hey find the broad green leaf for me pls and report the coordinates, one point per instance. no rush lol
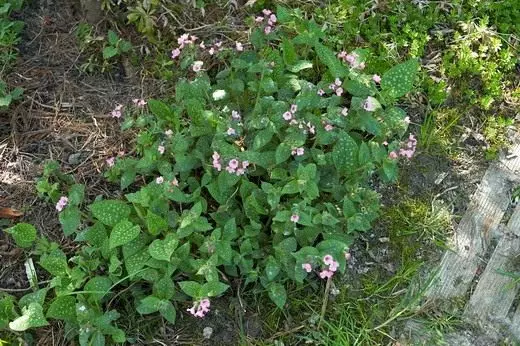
(34, 297)
(345, 154)
(155, 223)
(283, 152)
(32, 317)
(24, 234)
(163, 249)
(96, 234)
(299, 66)
(123, 232)
(110, 212)
(327, 57)
(98, 287)
(164, 112)
(136, 261)
(213, 289)
(398, 81)
(277, 294)
(148, 305)
(70, 219)
(272, 268)
(167, 310)
(112, 37)
(109, 52)
(55, 263)
(262, 138)
(164, 288)
(76, 194)
(289, 53)
(7, 310)
(63, 308)
(191, 288)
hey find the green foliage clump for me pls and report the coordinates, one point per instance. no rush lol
(261, 172)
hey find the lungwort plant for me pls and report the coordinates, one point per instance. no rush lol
(261, 172)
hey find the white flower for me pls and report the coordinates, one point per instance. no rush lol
(219, 94)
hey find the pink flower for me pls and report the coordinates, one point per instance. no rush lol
(239, 47)
(326, 274)
(259, 19)
(245, 164)
(348, 256)
(287, 116)
(311, 128)
(174, 182)
(329, 127)
(339, 91)
(385, 143)
(116, 113)
(184, 38)
(272, 20)
(407, 120)
(62, 203)
(211, 51)
(294, 108)
(231, 131)
(161, 149)
(175, 53)
(370, 104)
(328, 259)
(233, 163)
(202, 45)
(197, 66)
(111, 161)
(235, 115)
(139, 102)
(338, 82)
(332, 86)
(376, 78)
(333, 266)
(217, 165)
(168, 133)
(351, 58)
(240, 171)
(267, 30)
(300, 151)
(361, 65)
(321, 92)
(216, 155)
(342, 55)
(295, 218)
(266, 12)
(293, 122)
(200, 308)
(159, 180)
(218, 44)
(344, 111)
(392, 155)
(230, 169)
(307, 267)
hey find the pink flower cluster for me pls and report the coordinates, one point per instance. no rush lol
(376, 78)
(328, 260)
(183, 40)
(217, 47)
(216, 161)
(233, 166)
(200, 308)
(336, 87)
(139, 102)
(352, 59)
(295, 218)
(197, 66)
(290, 114)
(116, 113)
(307, 267)
(62, 203)
(111, 161)
(270, 18)
(409, 150)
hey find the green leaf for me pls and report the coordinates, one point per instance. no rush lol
(148, 305)
(55, 263)
(155, 223)
(289, 53)
(164, 288)
(163, 249)
(34, 297)
(110, 212)
(283, 152)
(32, 317)
(262, 138)
(277, 294)
(272, 268)
(164, 112)
(112, 37)
(70, 219)
(136, 261)
(7, 310)
(24, 234)
(109, 52)
(327, 56)
(76, 194)
(398, 81)
(345, 153)
(213, 289)
(299, 66)
(99, 286)
(63, 308)
(123, 232)
(191, 288)
(167, 311)
(96, 234)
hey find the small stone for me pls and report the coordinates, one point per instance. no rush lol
(74, 159)
(207, 332)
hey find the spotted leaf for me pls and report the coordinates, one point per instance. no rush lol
(32, 317)
(110, 212)
(123, 232)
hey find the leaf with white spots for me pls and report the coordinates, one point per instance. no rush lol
(163, 249)
(55, 263)
(345, 154)
(123, 232)
(63, 308)
(98, 286)
(24, 234)
(110, 212)
(272, 268)
(398, 81)
(32, 317)
(277, 294)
